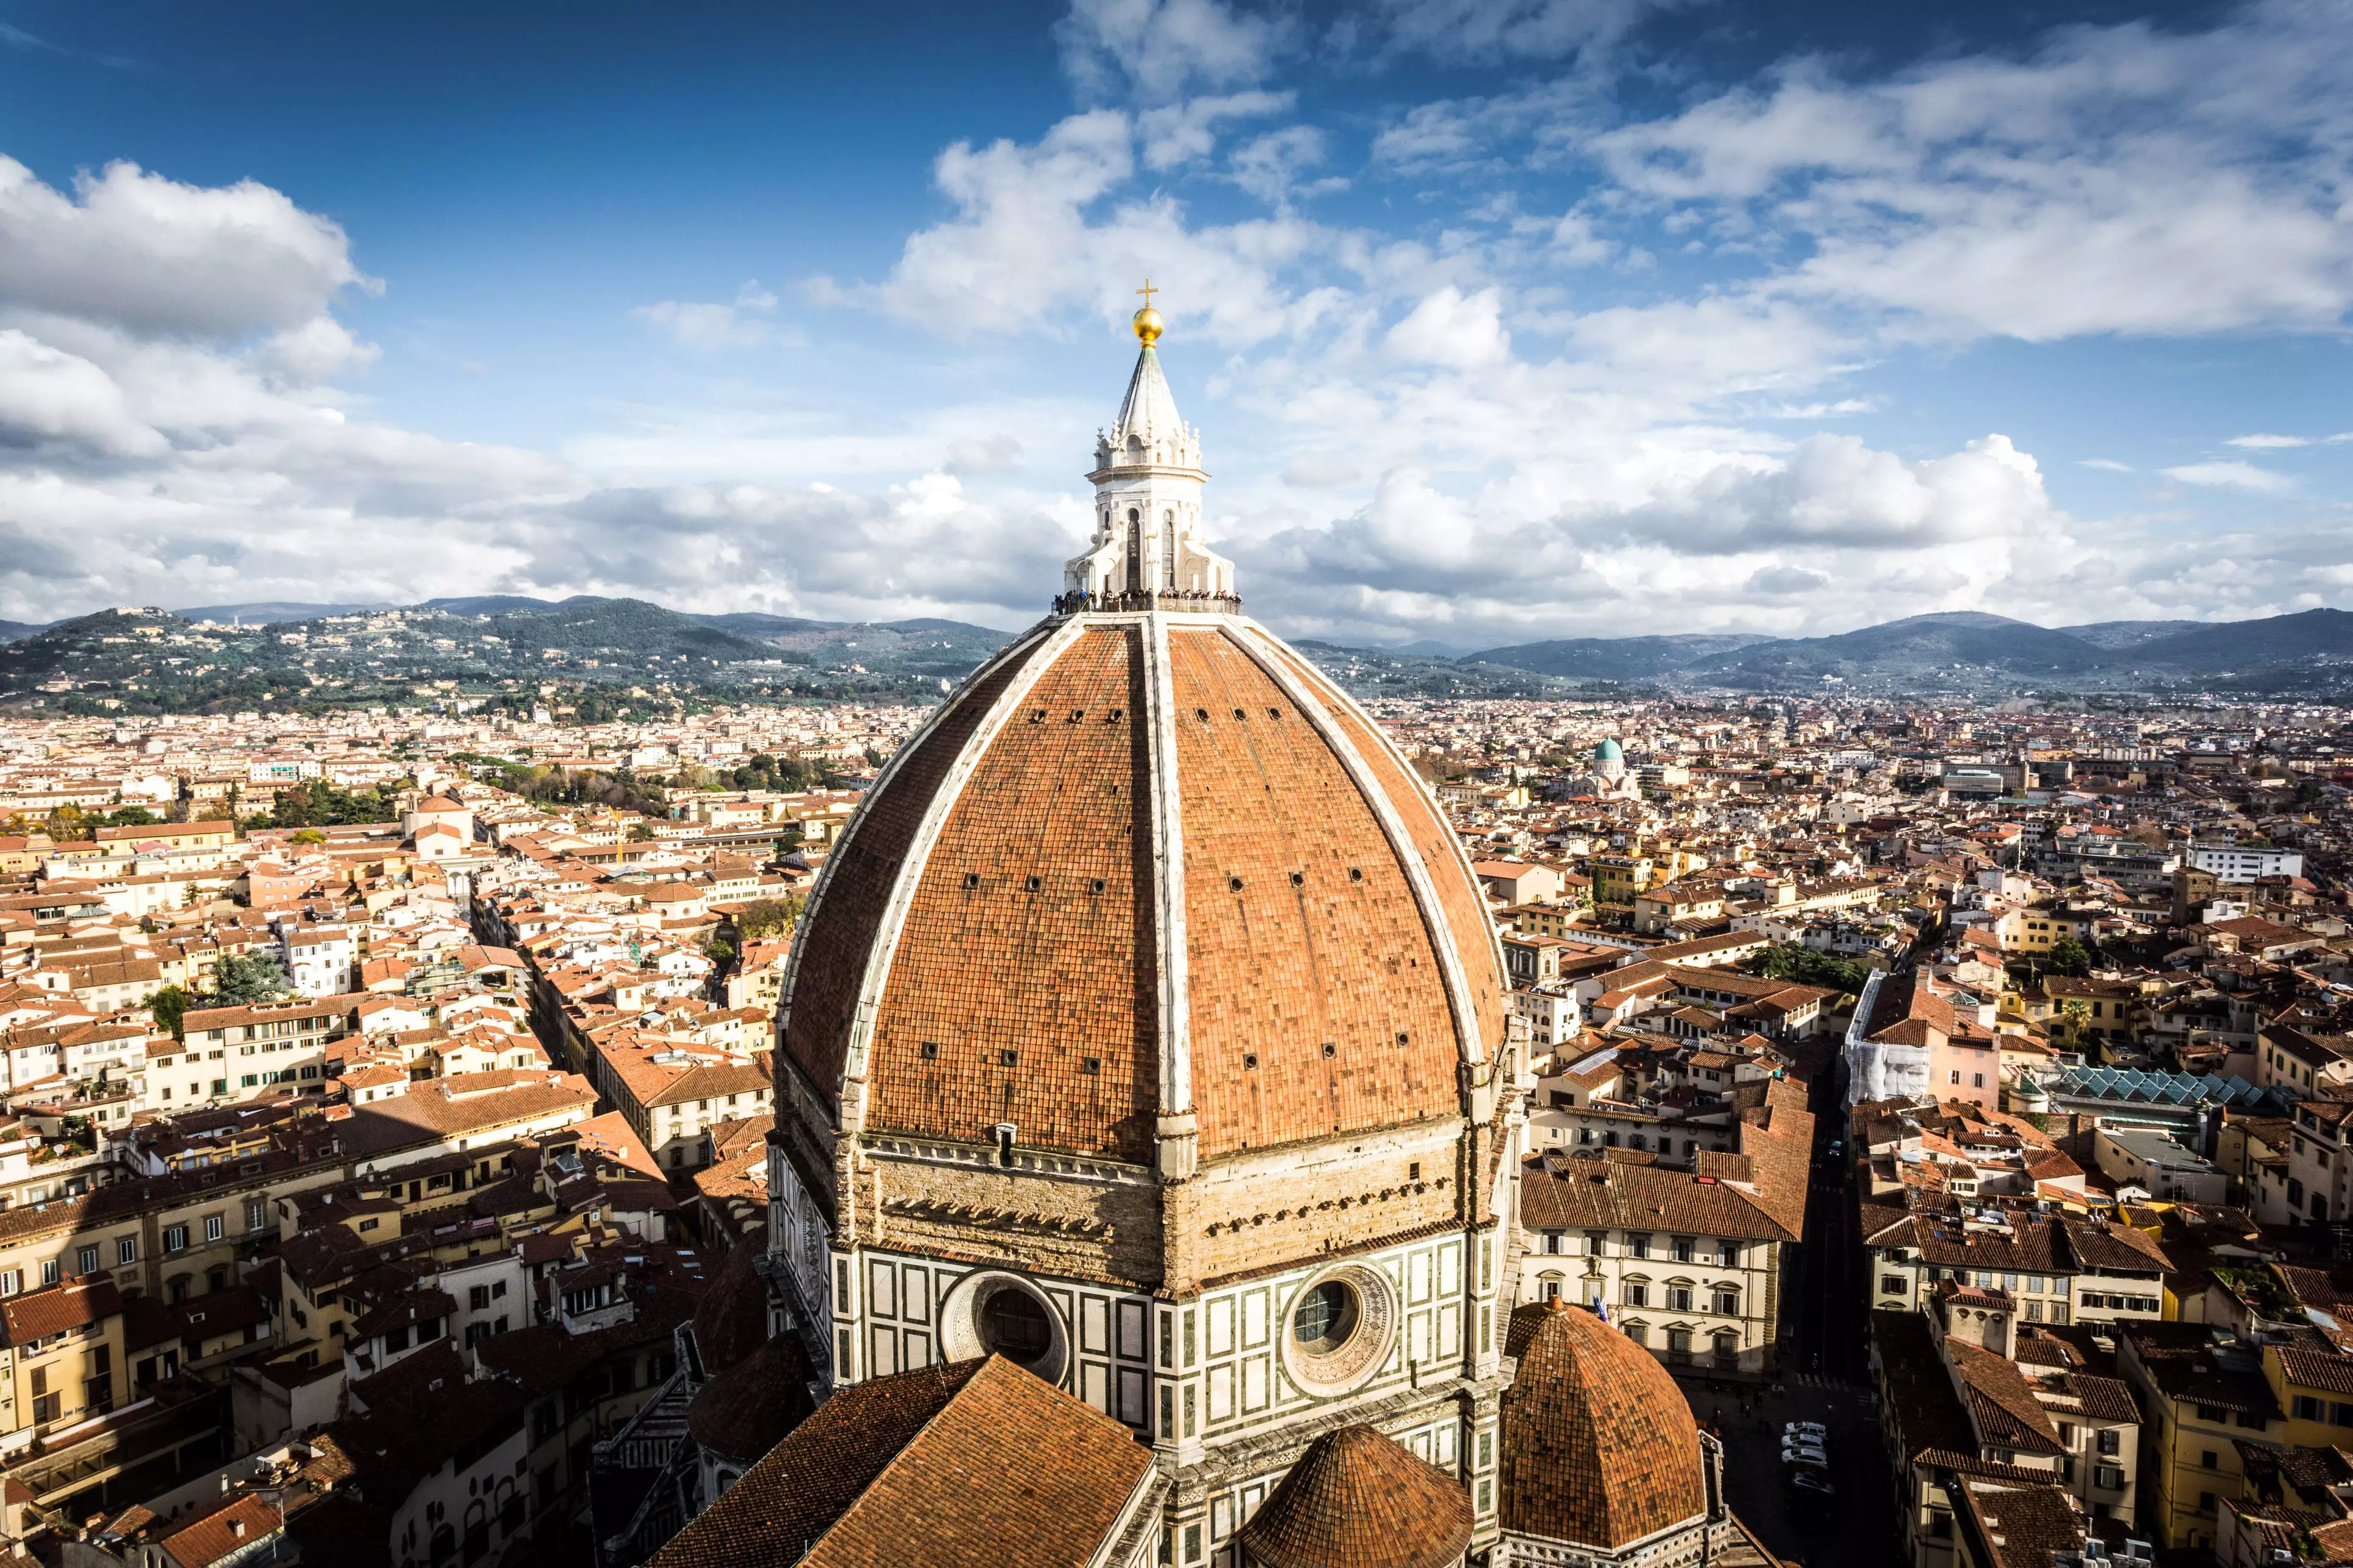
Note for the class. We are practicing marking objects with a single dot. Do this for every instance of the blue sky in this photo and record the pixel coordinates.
(1502, 318)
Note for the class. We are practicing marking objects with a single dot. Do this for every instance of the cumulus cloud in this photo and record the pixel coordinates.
(1449, 329)
(153, 256)
(2266, 443)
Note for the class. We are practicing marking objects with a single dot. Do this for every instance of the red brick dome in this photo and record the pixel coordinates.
(1599, 1446)
(1357, 1500)
(1145, 865)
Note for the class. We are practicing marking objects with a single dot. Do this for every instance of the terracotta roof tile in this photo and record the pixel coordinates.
(1358, 1500)
(1599, 1446)
(859, 1484)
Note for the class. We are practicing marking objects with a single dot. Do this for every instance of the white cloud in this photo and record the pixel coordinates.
(1023, 249)
(741, 322)
(2266, 443)
(2232, 476)
(1269, 167)
(2108, 463)
(1164, 48)
(1506, 29)
(1175, 134)
(153, 256)
(1449, 329)
(2119, 179)
(47, 396)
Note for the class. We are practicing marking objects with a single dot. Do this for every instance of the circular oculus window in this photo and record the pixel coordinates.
(1003, 1314)
(1341, 1327)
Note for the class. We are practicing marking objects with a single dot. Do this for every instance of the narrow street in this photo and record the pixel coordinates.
(1826, 1377)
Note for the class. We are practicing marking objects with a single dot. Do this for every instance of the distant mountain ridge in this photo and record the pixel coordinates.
(498, 648)
(1973, 650)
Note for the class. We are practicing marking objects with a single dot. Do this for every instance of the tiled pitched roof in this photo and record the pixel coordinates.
(748, 1409)
(1568, 1193)
(937, 1466)
(2006, 1412)
(54, 1309)
(222, 1532)
(731, 1322)
(1357, 1500)
(1599, 1446)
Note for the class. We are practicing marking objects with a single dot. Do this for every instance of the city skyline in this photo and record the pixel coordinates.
(1501, 322)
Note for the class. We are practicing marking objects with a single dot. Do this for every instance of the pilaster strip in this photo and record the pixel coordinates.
(1168, 877)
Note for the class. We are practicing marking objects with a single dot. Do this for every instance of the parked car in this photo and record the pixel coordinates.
(1805, 1453)
(1810, 1484)
(1838, 1147)
(1806, 1431)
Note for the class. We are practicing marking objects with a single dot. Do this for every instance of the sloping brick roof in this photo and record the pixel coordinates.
(38, 1314)
(222, 1532)
(939, 1467)
(1357, 1500)
(1599, 1446)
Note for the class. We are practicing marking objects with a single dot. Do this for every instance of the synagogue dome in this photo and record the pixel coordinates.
(1146, 873)
(1609, 751)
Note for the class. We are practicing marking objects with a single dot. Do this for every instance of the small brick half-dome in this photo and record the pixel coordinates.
(1599, 1446)
(1145, 865)
(748, 1409)
(1357, 1500)
(731, 1322)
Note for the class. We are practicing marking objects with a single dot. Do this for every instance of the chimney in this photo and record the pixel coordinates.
(236, 1528)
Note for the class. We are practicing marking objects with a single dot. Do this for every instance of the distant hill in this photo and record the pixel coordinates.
(2127, 634)
(1614, 658)
(601, 655)
(271, 611)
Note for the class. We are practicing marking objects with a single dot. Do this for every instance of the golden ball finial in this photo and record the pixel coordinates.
(1147, 320)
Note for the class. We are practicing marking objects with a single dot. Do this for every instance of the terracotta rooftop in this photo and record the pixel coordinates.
(936, 1466)
(1357, 1500)
(1598, 1445)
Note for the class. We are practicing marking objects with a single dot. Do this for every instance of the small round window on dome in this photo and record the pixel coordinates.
(1202, 714)
(1239, 713)
(1013, 1324)
(1299, 878)
(1330, 1050)
(971, 880)
(1325, 1318)
(1274, 712)
(1234, 883)
(1077, 714)
(1097, 886)
(1036, 883)
(1356, 873)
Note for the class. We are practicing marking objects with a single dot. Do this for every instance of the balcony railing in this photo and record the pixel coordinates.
(1193, 601)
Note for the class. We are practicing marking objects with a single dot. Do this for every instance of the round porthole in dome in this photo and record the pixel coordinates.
(1339, 1329)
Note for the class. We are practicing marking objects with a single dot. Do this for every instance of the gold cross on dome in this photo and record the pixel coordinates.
(1147, 292)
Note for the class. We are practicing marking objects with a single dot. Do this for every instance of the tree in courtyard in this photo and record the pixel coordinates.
(167, 1006)
(2068, 957)
(241, 981)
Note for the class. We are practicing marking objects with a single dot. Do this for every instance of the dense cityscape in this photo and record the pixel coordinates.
(676, 893)
(390, 1090)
